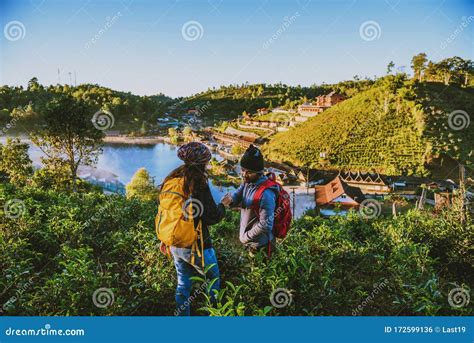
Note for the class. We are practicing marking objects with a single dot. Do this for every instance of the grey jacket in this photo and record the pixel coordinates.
(255, 232)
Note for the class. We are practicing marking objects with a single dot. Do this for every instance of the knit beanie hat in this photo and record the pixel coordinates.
(194, 153)
(252, 159)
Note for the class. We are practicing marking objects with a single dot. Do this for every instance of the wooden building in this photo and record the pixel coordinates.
(338, 192)
(322, 102)
(368, 183)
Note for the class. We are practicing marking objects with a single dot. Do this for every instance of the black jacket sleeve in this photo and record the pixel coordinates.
(212, 213)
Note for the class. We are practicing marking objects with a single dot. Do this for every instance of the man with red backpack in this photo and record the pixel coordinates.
(265, 206)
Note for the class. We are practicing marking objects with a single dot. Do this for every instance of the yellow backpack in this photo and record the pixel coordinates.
(174, 222)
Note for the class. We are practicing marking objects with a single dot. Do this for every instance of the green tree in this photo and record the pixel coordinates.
(69, 137)
(187, 131)
(390, 67)
(15, 162)
(418, 64)
(33, 84)
(173, 134)
(141, 186)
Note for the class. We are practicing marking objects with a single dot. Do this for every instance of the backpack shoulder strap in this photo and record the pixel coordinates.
(259, 192)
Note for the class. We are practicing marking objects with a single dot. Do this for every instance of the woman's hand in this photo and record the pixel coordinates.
(163, 248)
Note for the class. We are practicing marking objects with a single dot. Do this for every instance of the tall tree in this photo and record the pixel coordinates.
(390, 67)
(69, 136)
(142, 186)
(418, 63)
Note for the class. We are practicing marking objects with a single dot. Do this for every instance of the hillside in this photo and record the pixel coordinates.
(130, 112)
(396, 127)
(228, 102)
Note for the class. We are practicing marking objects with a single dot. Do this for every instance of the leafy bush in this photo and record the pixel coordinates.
(65, 247)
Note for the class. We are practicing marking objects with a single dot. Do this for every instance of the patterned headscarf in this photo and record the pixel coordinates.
(194, 153)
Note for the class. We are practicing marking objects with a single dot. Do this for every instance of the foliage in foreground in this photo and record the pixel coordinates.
(64, 247)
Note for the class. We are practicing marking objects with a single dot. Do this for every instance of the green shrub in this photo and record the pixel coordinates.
(65, 247)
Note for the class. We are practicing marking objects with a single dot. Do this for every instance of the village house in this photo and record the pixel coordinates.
(282, 110)
(329, 100)
(309, 110)
(338, 192)
(262, 111)
(366, 182)
(193, 112)
(322, 102)
(112, 133)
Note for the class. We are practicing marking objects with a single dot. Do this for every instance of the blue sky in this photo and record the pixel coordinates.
(139, 46)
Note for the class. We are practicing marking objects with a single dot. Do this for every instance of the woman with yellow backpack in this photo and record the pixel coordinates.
(186, 209)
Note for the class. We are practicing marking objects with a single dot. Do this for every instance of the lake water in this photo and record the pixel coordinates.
(120, 161)
(123, 160)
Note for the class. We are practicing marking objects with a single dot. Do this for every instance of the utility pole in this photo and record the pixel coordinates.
(59, 76)
(307, 180)
(462, 193)
(293, 195)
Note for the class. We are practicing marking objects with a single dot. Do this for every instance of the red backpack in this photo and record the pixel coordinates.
(282, 217)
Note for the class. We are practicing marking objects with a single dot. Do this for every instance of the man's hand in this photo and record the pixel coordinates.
(226, 200)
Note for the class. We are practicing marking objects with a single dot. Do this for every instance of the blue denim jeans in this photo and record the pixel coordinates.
(185, 270)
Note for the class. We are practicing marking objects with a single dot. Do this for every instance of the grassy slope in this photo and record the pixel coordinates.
(387, 129)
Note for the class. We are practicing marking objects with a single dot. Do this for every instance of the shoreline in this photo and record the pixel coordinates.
(136, 140)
